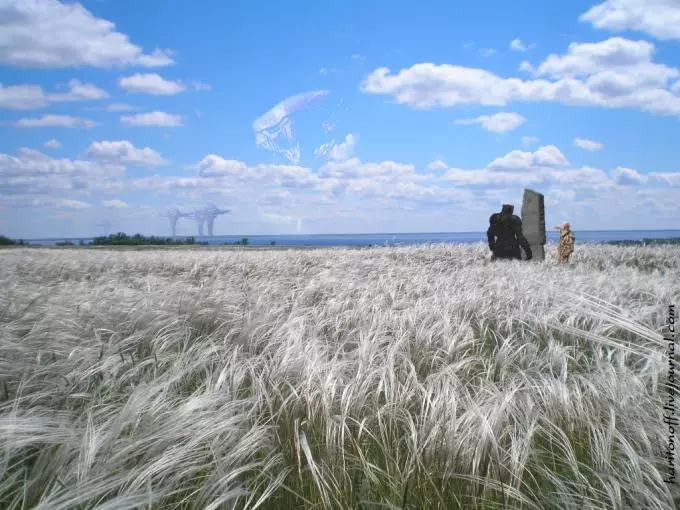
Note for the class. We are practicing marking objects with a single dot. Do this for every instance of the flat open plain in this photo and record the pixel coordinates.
(410, 377)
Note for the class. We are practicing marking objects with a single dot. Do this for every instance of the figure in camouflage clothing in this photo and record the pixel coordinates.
(566, 246)
(505, 235)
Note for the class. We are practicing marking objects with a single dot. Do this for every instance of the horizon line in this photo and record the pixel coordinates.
(342, 234)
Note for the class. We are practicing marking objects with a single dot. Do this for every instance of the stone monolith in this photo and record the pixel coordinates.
(533, 223)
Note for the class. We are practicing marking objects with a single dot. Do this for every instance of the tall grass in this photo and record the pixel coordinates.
(416, 377)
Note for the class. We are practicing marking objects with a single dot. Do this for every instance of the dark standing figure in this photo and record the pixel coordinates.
(505, 235)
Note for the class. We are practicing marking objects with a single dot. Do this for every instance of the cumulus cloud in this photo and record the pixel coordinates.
(32, 172)
(392, 182)
(52, 34)
(498, 122)
(78, 91)
(161, 119)
(515, 169)
(437, 165)
(622, 175)
(616, 73)
(150, 83)
(587, 145)
(671, 179)
(114, 204)
(354, 168)
(625, 57)
(660, 18)
(66, 121)
(53, 144)
(344, 150)
(518, 45)
(22, 97)
(486, 177)
(214, 165)
(124, 152)
(547, 156)
(26, 97)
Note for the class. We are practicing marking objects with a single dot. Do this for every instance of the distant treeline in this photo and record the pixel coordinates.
(6, 241)
(646, 241)
(122, 239)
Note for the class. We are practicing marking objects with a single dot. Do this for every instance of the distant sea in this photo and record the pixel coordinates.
(392, 239)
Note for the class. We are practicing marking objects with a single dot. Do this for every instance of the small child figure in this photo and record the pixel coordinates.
(566, 246)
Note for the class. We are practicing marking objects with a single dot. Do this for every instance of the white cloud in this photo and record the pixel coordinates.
(65, 203)
(487, 52)
(498, 122)
(671, 179)
(676, 88)
(529, 140)
(150, 83)
(22, 97)
(26, 97)
(544, 167)
(623, 175)
(615, 55)
(526, 67)
(114, 204)
(593, 179)
(488, 177)
(641, 85)
(214, 165)
(53, 144)
(660, 18)
(78, 91)
(52, 34)
(156, 118)
(354, 168)
(55, 121)
(119, 107)
(587, 145)
(437, 165)
(518, 45)
(122, 152)
(344, 150)
(547, 156)
(32, 172)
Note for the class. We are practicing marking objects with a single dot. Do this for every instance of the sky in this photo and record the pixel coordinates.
(309, 117)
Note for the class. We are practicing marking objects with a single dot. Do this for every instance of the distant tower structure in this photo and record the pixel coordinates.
(211, 213)
(199, 216)
(174, 214)
(207, 215)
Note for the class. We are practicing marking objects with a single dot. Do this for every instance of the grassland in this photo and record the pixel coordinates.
(412, 377)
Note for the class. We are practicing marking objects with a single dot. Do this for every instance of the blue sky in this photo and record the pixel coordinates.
(383, 116)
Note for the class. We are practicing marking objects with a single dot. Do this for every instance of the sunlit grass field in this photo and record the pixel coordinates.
(384, 378)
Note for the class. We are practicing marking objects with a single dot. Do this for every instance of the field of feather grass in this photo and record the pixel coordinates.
(412, 377)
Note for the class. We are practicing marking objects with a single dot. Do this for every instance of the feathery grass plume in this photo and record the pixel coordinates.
(389, 377)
